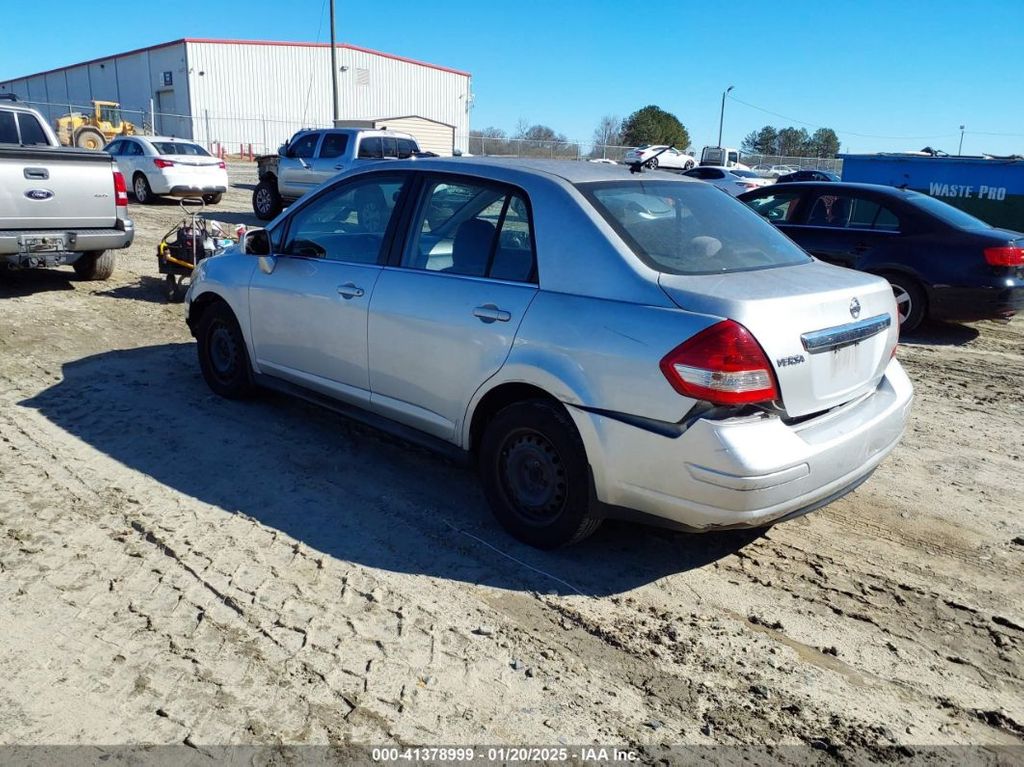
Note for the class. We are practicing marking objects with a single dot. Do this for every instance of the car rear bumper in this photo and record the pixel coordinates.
(185, 183)
(977, 303)
(745, 472)
(23, 247)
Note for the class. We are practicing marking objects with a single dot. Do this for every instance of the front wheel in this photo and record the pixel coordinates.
(95, 266)
(266, 202)
(141, 188)
(223, 358)
(688, 165)
(535, 475)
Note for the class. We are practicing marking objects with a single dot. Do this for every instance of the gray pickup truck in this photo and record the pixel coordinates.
(311, 157)
(58, 205)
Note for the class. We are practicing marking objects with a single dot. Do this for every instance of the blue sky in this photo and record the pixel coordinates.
(885, 75)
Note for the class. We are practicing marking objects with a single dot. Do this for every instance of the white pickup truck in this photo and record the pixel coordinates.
(58, 205)
(312, 157)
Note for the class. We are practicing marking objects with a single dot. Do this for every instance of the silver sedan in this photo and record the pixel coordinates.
(599, 343)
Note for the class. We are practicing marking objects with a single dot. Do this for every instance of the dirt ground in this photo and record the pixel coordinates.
(177, 568)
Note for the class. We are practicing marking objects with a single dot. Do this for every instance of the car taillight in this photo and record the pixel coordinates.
(120, 190)
(1005, 256)
(222, 165)
(747, 185)
(162, 163)
(724, 365)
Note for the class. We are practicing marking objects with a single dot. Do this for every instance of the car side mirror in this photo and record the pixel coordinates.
(256, 242)
(284, 151)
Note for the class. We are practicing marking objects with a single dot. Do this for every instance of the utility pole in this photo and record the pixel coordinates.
(961, 149)
(334, 68)
(721, 115)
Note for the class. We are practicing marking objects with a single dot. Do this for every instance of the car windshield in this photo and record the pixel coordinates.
(681, 227)
(947, 213)
(179, 147)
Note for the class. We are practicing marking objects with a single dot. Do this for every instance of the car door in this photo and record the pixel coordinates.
(837, 226)
(308, 312)
(444, 314)
(329, 160)
(296, 172)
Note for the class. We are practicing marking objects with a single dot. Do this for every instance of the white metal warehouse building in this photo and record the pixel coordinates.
(241, 92)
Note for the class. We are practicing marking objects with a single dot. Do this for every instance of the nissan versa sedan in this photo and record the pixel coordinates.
(942, 263)
(599, 343)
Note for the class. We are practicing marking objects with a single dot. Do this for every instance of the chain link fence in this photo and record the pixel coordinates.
(833, 164)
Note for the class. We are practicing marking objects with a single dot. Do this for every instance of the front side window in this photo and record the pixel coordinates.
(115, 148)
(8, 128)
(347, 223)
(305, 147)
(132, 149)
(473, 229)
(683, 228)
(778, 207)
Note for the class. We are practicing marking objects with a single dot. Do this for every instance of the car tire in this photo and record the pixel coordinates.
(535, 475)
(266, 202)
(223, 358)
(652, 163)
(911, 303)
(141, 189)
(213, 199)
(98, 265)
(688, 165)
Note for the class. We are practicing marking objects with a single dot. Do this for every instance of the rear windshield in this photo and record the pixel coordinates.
(946, 212)
(179, 147)
(682, 227)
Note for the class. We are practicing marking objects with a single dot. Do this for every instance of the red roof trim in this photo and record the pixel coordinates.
(243, 42)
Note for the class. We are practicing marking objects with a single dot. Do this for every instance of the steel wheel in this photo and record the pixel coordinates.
(224, 352)
(533, 476)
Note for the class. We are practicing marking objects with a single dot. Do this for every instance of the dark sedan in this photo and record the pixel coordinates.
(812, 174)
(942, 263)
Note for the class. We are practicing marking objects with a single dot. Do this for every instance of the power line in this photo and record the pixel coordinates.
(844, 132)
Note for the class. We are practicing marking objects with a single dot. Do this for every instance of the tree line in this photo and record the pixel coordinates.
(649, 125)
(791, 142)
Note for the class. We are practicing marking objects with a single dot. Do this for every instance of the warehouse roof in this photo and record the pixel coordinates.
(215, 41)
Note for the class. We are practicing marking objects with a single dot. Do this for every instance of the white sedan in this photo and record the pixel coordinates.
(158, 165)
(669, 157)
(735, 181)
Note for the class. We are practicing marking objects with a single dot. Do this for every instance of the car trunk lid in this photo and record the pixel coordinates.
(828, 332)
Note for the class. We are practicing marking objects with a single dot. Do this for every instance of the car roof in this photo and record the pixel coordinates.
(838, 186)
(173, 139)
(573, 171)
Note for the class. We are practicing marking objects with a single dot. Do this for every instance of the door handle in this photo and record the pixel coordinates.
(37, 174)
(490, 313)
(349, 290)
(339, 167)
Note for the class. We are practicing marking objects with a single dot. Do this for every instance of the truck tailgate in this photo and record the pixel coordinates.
(56, 188)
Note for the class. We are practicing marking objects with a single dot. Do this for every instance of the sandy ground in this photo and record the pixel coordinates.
(176, 568)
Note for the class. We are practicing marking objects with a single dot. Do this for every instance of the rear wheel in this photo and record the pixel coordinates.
(95, 266)
(140, 187)
(266, 202)
(535, 475)
(652, 163)
(213, 199)
(688, 165)
(910, 301)
(223, 358)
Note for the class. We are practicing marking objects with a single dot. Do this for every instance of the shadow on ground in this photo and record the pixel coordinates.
(25, 282)
(149, 289)
(342, 489)
(933, 333)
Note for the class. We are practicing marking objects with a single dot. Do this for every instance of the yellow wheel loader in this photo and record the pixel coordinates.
(94, 130)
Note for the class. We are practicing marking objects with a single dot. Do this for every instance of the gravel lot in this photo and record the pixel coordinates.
(177, 568)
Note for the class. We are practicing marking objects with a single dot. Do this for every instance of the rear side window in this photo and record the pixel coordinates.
(334, 145)
(473, 229)
(371, 148)
(31, 131)
(8, 128)
(685, 228)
